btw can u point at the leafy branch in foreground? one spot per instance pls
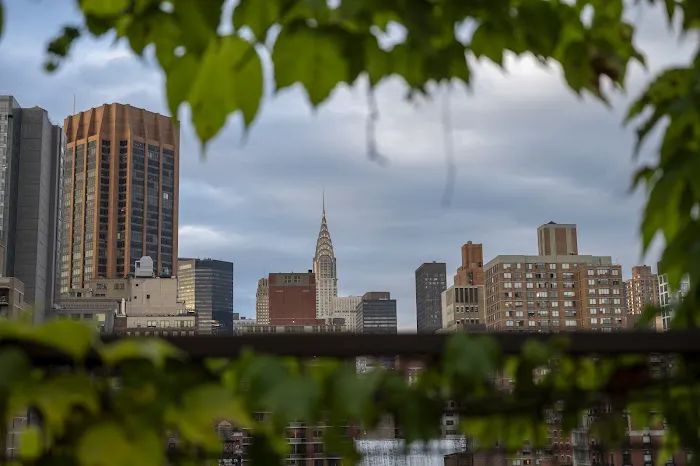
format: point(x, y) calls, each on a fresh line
point(143, 390)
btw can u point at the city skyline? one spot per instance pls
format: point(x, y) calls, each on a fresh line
point(257, 205)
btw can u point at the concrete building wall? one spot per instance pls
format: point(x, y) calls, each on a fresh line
point(463, 306)
point(154, 296)
point(32, 227)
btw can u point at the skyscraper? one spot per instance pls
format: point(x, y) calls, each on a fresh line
point(120, 193)
point(31, 169)
point(431, 281)
point(206, 286)
point(325, 271)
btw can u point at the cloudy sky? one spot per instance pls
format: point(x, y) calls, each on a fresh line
point(527, 151)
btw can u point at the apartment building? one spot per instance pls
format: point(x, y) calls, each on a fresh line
point(554, 292)
point(641, 290)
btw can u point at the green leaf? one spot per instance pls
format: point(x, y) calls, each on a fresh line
point(488, 42)
point(471, 357)
point(2, 18)
point(14, 368)
point(30, 443)
point(152, 349)
point(109, 444)
point(310, 57)
point(229, 79)
point(56, 398)
point(257, 16)
point(104, 7)
point(199, 409)
point(74, 338)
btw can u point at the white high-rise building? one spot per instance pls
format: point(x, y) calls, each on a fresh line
point(325, 271)
point(345, 307)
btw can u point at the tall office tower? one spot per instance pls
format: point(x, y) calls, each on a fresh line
point(431, 281)
point(550, 293)
point(554, 239)
point(31, 170)
point(292, 299)
point(262, 304)
point(642, 289)
point(471, 272)
point(325, 271)
point(120, 193)
point(206, 286)
point(376, 313)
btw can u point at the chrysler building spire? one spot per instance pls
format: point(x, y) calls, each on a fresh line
point(325, 269)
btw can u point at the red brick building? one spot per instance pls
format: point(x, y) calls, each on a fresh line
point(292, 299)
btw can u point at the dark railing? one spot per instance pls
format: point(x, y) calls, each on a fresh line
point(348, 345)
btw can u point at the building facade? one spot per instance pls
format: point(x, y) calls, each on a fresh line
point(120, 193)
point(345, 308)
point(376, 313)
point(554, 293)
point(641, 290)
point(471, 272)
point(431, 281)
point(463, 306)
point(31, 180)
point(262, 305)
point(557, 239)
point(206, 285)
point(325, 271)
point(292, 299)
point(669, 298)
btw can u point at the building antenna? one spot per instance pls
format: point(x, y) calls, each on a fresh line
point(73, 104)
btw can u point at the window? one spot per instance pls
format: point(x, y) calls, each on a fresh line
point(148, 296)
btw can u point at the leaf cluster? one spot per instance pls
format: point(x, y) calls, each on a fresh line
point(145, 391)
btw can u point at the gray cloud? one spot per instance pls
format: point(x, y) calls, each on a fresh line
point(527, 151)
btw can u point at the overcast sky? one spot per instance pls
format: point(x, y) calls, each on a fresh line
point(527, 152)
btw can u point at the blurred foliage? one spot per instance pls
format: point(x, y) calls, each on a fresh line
point(118, 403)
point(213, 62)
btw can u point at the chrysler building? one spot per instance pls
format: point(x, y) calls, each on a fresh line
point(325, 271)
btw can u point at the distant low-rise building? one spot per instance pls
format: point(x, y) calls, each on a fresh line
point(376, 313)
point(463, 306)
point(317, 328)
point(292, 299)
point(345, 308)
